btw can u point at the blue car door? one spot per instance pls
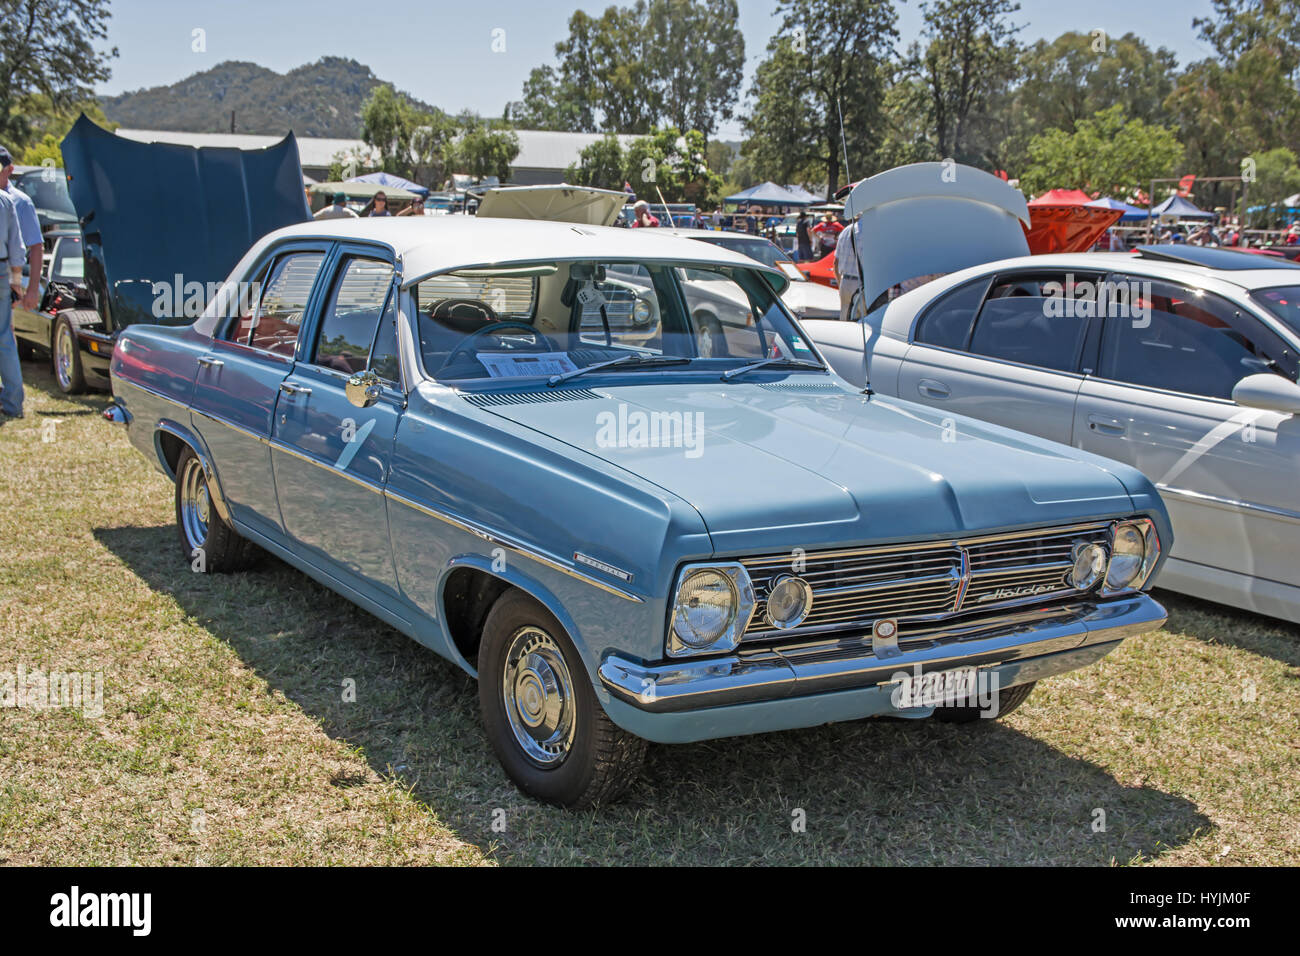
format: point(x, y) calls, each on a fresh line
point(331, 457)
point(239, 378)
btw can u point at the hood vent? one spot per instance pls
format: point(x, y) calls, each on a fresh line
point(530, 398)
point(819, 387)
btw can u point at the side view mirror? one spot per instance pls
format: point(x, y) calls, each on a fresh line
point(364, 388)
point(1268, 391)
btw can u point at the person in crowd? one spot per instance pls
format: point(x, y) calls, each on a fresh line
point(1292, 235)
point(29, 224)
point(827, 233)
point(751, 221)
point(378, 205)
point(641, 215)
point(11, 253)
point(1203, 236)
point(337, 209)
point(413, 208)
point(803, 237)
point(848, 271)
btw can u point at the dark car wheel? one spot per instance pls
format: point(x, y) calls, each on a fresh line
point(210, 545)
point(1009, 698)
point(67, 358)
point(541, 714)
point(25, 350)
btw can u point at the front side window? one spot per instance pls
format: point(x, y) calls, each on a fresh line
point(1181, 340)
point(1037, 320)
point(351, 318)
point(1283, 302)
point(551, 318)
point(947, 323)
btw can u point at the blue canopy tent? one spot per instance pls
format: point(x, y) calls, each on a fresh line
point(1131, 213)
point(1180, 208)
point(767, 194)
point(389, 181)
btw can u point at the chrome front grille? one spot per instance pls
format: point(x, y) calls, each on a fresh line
point(925, 581)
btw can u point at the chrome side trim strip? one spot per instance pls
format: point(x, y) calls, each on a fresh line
point(229, 424)
point(325, 466)
point(513, 544)
point(1197, 497)
point(829, 666)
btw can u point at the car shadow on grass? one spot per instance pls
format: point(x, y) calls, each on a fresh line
point(869, 792)
point(1246, 630)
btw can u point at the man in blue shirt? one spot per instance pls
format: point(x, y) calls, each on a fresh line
point(11, 253)
point(30, 227)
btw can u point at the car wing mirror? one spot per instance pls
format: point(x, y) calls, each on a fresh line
point(1268, 391)
point(364, 388)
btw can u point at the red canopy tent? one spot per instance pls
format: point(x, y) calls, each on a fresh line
point(1062, 197)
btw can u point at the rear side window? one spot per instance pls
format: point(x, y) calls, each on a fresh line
point(947, 323)
point(275, 322)
point(1036, 320)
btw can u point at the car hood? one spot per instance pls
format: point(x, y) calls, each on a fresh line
point(582, 205)
point(930, 218)
point(812, 299)
point(810, 464)
point(154, 211)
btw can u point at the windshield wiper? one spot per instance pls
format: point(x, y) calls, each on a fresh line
point(731, 373)
point(640, 360)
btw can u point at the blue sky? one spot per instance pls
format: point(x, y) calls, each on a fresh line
point(442, 52)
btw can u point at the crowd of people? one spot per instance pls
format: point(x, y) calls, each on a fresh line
point(20, 241)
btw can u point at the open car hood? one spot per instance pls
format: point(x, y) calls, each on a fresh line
point(930, 218)
point(577, 204)
point(152, 212)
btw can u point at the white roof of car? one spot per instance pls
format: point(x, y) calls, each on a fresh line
point(1129, 262)
point(429, 244)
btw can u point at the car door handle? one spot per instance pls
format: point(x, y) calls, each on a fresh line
point(1100, 423)
point(208, 361)
point(929, 387)
point(290, 388)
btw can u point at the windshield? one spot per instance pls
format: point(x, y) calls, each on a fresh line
point(1284, 302)
point(551, 318)
point(47, 189)
point(68, 264)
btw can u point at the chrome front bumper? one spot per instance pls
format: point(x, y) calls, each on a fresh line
point(846, 663)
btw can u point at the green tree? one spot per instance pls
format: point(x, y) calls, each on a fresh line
point(484, 148)
point(1277, 176)
point(967, 66)
point(1110, 154)
point(696, 60)
point(602, 164)
point(411, 142)
point(550, 102)
point(673, 164)
point(47, 49)
point(827, 60)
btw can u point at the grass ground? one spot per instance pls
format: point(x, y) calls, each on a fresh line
point(225, 737)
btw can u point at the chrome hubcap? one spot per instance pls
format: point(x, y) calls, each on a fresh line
point(63, 357)
point(195, 504)
point(538, 695)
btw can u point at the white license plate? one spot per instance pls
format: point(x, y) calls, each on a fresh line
point(936, 688)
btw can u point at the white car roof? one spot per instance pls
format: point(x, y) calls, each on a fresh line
point(429, 244)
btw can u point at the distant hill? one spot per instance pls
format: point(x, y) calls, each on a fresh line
point(318, 99)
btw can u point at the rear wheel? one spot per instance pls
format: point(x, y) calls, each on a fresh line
point(210, 545)
point(67, 358)
point(1009, 699)
point(542, 716)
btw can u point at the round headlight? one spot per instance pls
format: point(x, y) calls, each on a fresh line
point(1089, 565)
point(706, 607)
point(1127, 557)
point(788, 602)
point(641, 312)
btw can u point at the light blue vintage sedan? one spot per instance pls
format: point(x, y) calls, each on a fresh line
point(504, 439)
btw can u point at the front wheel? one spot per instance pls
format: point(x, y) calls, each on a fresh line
point(210, 545)
point(542, 716)
point(1009, 699)
point(67, 358)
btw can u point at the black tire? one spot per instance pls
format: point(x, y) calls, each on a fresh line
point(1009, 699)
point(210, 546)
point(600, 760)
point(65, 357)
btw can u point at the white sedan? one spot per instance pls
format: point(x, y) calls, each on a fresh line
point(1181, 361)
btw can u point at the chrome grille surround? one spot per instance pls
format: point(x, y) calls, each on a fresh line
point(924, 581)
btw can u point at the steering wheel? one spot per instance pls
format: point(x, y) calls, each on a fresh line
point(462, 315)
point(498, 327)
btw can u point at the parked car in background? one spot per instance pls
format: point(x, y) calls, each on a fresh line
point(65, 300)
point(622, 540)
point(47, 187)
point(1180, 361)
point(141, 206)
